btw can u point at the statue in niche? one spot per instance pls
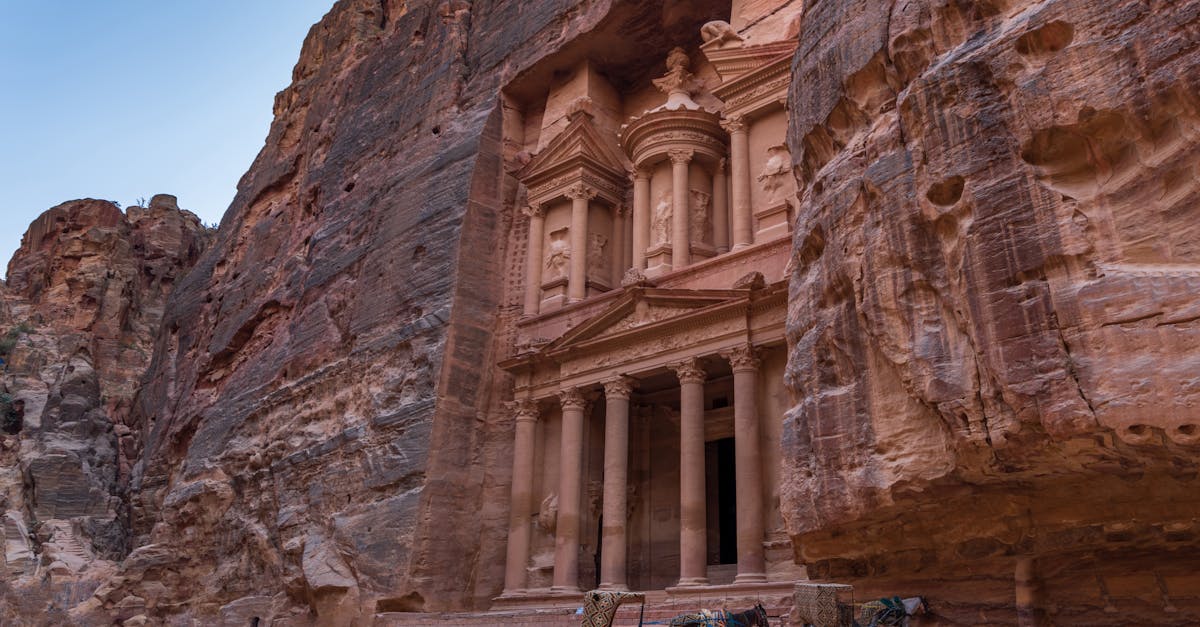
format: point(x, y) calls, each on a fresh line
point(559, 256)
point(548, 513)
point(660, 226)
point(719, 31)
point(775, 172)
point(595, 256)
point(700, 222)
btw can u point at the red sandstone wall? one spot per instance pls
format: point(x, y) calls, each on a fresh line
point(320, 426)
point(992, 318)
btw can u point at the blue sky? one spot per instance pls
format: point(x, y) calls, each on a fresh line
point(121, 99)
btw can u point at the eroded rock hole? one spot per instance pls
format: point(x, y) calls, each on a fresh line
point(437, 130)
point(1046, 40)
point(1187, 429)
point(418, 253)
point(349, 187)
point(947, 192)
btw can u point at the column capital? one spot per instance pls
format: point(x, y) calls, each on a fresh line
point(534, 210)
point(689, 371)
point(526, 409)
point(622, 210)
point(744, 357)
point(681, 155)
point(642, 173)
point(619, 387)
point(722, 165)
point(734, 124)
point(581, 191)
point(572, 398)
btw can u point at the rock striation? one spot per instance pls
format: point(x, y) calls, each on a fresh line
point(78, 316)
point(992, 322)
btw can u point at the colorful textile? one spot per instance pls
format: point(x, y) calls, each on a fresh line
point(703, 618)
point(600, 606)
point(756, 617)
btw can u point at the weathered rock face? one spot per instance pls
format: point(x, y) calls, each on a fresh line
point(993, 332)
point(312, 426)
point(78, 315)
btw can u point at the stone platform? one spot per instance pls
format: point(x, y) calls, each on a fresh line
point(543, 608)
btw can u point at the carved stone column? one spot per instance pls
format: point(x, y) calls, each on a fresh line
point(579, 194)
point(533, 258)
point(570, 475)
point(616, 474)
point(681, 249)
point(751, 564)
point(520, 514)
point(720, 206)
point(693, 524)
point(739, 148)
point(641, 217)
point(617, 247)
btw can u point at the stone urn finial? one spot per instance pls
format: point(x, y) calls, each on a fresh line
point(679, 83)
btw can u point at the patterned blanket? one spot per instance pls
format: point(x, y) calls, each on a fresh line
point(600, 606)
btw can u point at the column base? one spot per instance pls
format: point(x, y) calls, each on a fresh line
point(737, 247)
point(688, 582)
point(742, 578)
point(565, 590)
point(614, 587)
point(512, 594)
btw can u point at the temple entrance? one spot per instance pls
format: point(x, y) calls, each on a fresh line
point(721, 502)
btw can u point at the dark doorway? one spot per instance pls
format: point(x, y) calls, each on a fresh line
point(723, 457)
point(599, 547)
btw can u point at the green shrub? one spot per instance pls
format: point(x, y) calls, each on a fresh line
point(10, 339)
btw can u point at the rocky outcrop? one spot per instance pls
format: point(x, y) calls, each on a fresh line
point(78, 316)
point(993, 324)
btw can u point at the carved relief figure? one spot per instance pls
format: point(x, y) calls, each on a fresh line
point(660, 226)
point(775, 173)
point(559, 255)
point(701, 201)
point(595, 256)
point(719, 31)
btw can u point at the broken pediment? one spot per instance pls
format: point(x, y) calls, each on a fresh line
point(734, 62)
point(581, 152)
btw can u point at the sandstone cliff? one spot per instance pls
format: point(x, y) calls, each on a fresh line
point(993, 322)
point(79, 314)
point(313, 427)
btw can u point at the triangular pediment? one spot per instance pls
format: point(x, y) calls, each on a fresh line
point(580, 145)
point(644, 308)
